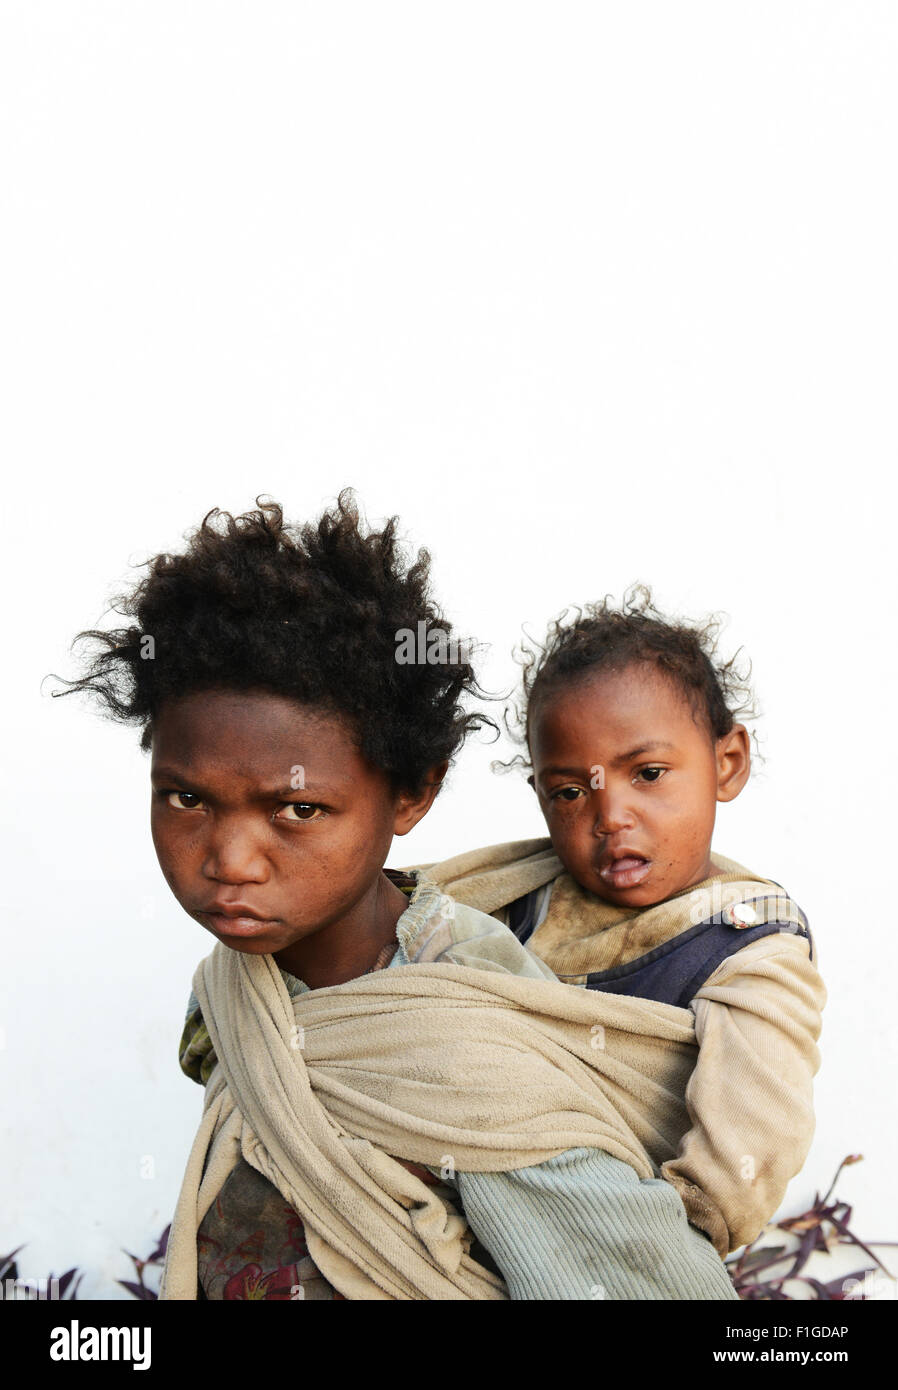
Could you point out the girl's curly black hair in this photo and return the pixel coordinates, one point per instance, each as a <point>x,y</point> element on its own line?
<point>602,636</point>
<point>312,612</point>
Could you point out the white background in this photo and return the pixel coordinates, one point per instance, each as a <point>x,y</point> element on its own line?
<point>586,293</point>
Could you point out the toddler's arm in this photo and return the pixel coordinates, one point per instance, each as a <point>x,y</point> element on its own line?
<point>583,1225</point>
<point>757,1021</point>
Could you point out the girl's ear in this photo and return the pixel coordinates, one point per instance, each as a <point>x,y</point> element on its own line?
<point>733,762</point>
<point>413,806</point>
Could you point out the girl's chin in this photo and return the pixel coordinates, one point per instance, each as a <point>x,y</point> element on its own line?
<point>261,940</point>
<point>248,946</point>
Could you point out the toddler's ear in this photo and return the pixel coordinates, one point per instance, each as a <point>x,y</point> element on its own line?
<point>733,762</point>
<point>531,781</point>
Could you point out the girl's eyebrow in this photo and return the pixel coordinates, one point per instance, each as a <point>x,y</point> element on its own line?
<point>167,774</point>
<point>283,790</point>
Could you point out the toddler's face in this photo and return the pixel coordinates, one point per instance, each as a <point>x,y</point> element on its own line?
<point>628,780</point>
<point>268,822</point>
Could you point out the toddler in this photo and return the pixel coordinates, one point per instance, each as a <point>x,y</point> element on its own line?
<point>630,725</point>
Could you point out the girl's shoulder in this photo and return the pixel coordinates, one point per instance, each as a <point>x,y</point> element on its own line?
<point>437,928</point>
<point>491,877</point>
<point>196,1055</point>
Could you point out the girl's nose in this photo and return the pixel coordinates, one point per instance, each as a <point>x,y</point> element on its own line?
<point>233,856</point>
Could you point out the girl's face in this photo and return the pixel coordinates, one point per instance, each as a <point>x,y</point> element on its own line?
<point>270,826</point>
<point>628,782</point>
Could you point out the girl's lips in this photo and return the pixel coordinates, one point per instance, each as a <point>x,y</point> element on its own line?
<point>238,926</point>
<point>625,873</point>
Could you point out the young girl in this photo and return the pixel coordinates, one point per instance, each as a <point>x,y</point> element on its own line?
<point>633,741</point>
<point>387,1076</point>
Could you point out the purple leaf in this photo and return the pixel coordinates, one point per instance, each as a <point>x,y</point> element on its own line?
<point>10,1260</point>
<point>822,1290</point>
<point>840,1226</point>
<point>138,1290</point>
<point>161,1248</point>
<point>767,1254</point>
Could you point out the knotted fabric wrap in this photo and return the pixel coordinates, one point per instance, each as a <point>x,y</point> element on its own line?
<point>432,1063</point>
<point>757,1019</point>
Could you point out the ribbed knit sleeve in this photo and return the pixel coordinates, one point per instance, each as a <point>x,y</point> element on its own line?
<point>583,1225</point>
<point>757,1021</point>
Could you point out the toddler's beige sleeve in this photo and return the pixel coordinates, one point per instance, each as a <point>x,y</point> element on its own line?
<point>757,1021</point>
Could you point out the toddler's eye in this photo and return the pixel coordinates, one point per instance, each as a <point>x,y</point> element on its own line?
<point>651,774</point>
<point>302,810</point>
<point>183,801</point>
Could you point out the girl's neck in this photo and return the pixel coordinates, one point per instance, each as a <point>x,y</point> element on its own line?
<point>349,947</point>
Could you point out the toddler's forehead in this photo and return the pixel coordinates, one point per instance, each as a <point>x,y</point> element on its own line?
<point>638,700</point>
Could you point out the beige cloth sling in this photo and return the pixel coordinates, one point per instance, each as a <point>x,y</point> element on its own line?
<point>432,1063</point>
<point>757,1019</point>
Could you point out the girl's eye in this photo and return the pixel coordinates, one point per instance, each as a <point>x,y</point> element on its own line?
<point>567,793</point>
<point>183,801</point>
<point>302,810</point>
<point>651,774</point>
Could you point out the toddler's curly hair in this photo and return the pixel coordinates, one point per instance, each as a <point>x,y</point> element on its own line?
<point>607,637</point>
<point>311,612</point>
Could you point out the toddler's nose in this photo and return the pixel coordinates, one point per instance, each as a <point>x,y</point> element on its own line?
<point>612,813</point>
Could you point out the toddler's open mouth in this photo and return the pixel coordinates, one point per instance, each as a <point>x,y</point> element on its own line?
<point>624,870</point>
